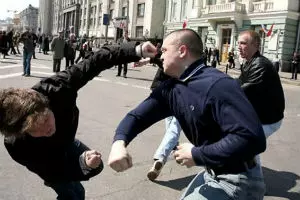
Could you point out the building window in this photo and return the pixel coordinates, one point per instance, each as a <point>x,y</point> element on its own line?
<point>141,10</point>
<point>124,11</point>
<point>111,14</point>
<point>139,32</point>
<point>184,9</point>
<point>100,8</point>
<point>173,10</point>
<point>90,22</point>
<point>99,20</point>
<point>211,2</point>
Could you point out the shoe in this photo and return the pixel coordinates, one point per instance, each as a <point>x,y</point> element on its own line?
<point>155,170</point>
<point>27,75</point>
<point>23,74</point>
<point>117,75</point>
<point>125,76</point>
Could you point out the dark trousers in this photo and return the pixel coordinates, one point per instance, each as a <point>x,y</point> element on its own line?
<point>72,189</point>
<point>294,70</point>
<point>69,62</point>
<point>12,49</point>
<point>56,65</point>
<point>33,55</point>
<point>231,64</point>
<point>120,69</point>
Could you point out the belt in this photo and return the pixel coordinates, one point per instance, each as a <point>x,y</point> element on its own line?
<point>235,168</point>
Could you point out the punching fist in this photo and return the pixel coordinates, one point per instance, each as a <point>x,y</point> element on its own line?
<point>93,159</point>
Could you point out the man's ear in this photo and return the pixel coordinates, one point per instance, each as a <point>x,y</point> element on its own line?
<point>183,51</point>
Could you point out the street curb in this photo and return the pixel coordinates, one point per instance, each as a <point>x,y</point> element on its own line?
<point>282,79</point>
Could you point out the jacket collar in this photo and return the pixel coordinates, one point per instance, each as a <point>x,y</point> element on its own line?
<point>257,54</point>
<point>192,69</point>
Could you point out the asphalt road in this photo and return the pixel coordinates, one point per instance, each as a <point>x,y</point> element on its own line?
<point>103,102</point>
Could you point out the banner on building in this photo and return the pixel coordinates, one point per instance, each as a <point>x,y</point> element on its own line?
<point>267,32</point>
<point>120,22</point>
<point>273,41</point>
<point>184,24</point>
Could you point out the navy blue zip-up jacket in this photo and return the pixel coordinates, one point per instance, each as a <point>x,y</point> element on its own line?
<point>213,112</point>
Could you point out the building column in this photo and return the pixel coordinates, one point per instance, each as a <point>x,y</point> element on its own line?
<point>87,17</point>
<point>76,20</point>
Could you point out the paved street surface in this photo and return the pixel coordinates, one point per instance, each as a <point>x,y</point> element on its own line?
<point>103,102</point>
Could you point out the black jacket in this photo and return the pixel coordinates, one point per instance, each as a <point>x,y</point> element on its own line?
<point>160,76</point>
<point>45,155</point>
<point>262,85</point>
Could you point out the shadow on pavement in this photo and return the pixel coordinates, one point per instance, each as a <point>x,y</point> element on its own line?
<point>177,184</point>
<point>142,79</point>
<point>282,184</point>
<point>34,76</point>
<point>50,59</point>
<point>9,62</point>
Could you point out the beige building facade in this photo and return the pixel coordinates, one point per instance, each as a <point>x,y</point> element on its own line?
<point>219,23</point>
<point>29,18</point>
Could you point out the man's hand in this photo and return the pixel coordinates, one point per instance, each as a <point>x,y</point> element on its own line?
<point>148,50</point>
<point>183,155</point>
<point>142,62</point>
<point>119,159</point>
<point>93,159</point>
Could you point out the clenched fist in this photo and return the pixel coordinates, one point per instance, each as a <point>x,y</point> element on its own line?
<point>119,159</point>
<point>148,50</point>
<point>93,159</point>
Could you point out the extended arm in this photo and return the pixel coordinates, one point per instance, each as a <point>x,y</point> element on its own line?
<point>147,113</point>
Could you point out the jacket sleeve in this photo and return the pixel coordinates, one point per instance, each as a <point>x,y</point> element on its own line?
<point>68,82</point>
<point>242,134</point>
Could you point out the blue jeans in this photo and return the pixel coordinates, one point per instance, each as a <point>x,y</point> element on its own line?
<point>244,186</point>
<point>269,129</point>
<point>68,190</point>
<point>26,62</point>
<point>169,140</point>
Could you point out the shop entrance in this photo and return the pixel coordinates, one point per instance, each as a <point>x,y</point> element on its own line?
<point>226,41</point>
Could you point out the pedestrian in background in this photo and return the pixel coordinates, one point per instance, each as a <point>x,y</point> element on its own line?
<point>16,41</point>
<point>81,47</point>
<point>295,65</point>
<point>45,44</point>
<point>10,36</point>
<point>70,50</point>
<point>124,39</point>
<point>4,46</point>
<point>28,48</point>
<point>57,46</point>
<point>231,63</point>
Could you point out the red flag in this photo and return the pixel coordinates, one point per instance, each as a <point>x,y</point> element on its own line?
<point>184,24</point>
<point>270,31</point>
